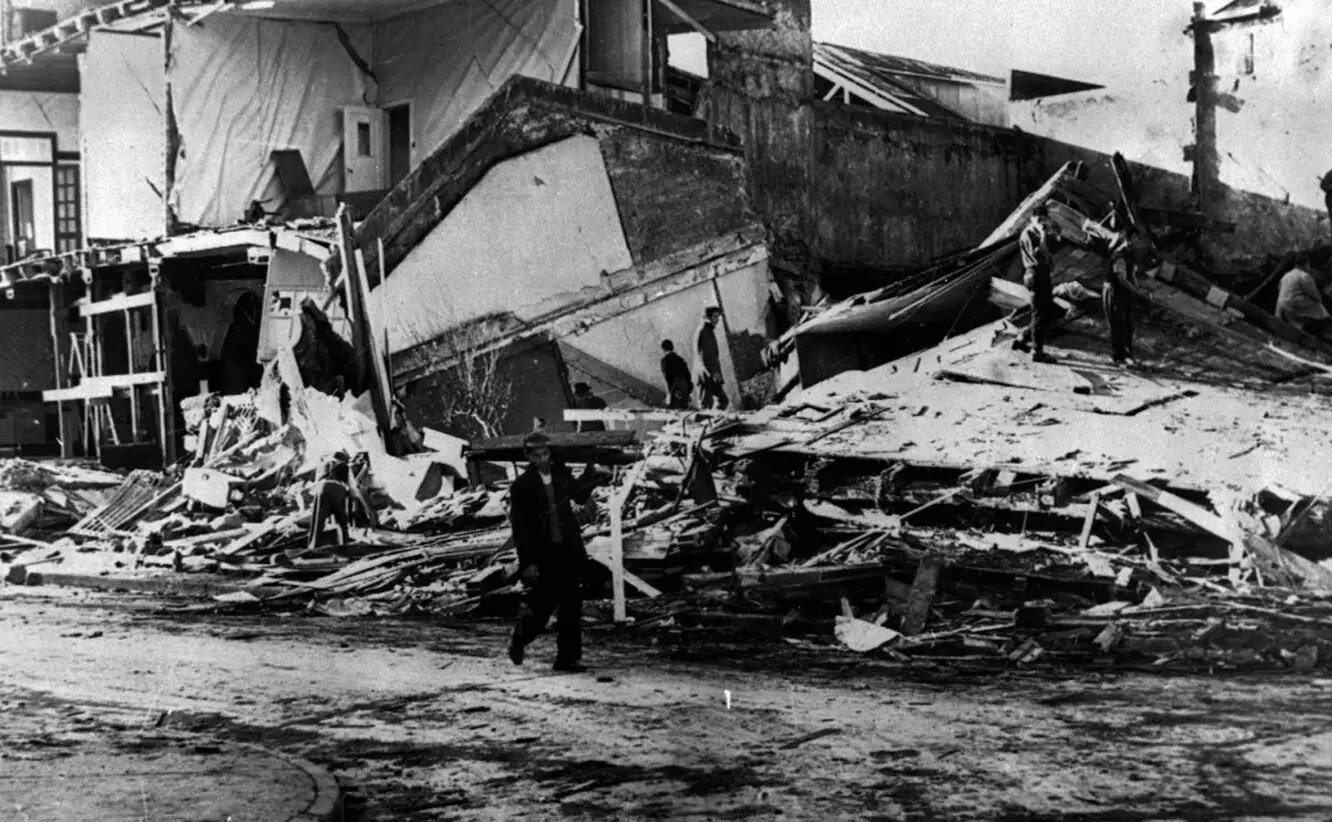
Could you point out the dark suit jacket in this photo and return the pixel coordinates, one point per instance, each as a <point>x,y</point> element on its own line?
<point>529,513</point>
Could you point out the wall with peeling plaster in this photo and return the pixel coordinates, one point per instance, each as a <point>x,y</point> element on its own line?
<point>1272,120</point>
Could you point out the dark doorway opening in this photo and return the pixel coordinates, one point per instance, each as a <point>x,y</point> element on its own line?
<point>25,230</point>
<point>400,142</point>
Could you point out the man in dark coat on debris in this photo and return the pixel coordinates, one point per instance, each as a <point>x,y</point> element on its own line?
<point>1117,294</point>
<point>707,355</point>
<point>675,371</point>
<point>1035,243</point>
<point>551,554</point>
<point>1326,185</point>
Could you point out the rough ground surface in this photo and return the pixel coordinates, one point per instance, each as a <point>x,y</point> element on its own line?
<point>423,720</point>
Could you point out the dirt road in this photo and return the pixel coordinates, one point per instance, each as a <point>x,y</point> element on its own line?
<point>423,720</point>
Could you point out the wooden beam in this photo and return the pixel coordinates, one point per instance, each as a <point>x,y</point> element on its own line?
<point>922,593</point>
<point>618,499</point>
<point>1195,514</point>
<point>1185,278</point>
<point>165,406</point>
<point>102,387</point>
<point>370,368</point>
<point>697,26</point>
<point>117,302</point>
<point>638,415</point>
<point>134,393</point>
<point>55,300</point>
<point>1015,221</point>
<point>1084,539</point>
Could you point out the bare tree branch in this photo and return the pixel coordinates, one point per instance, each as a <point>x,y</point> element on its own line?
<point>473,396</point>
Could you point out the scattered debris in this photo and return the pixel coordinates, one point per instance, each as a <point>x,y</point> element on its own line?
<point>972,506</point>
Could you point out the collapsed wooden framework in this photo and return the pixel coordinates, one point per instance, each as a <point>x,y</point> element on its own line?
<point>116,294</point>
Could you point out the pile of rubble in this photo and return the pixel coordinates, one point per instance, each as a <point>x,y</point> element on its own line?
<point>959,505</point>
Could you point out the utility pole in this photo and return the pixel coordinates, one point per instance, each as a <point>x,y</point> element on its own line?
<point>1204,154</point>
<point>1206,158</point>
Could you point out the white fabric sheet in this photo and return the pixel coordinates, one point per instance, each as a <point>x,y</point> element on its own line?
<point>448,60</point>
<point>244,87</point>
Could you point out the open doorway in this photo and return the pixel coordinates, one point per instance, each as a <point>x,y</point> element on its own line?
<point>399,142</point>
<point>25,229</point>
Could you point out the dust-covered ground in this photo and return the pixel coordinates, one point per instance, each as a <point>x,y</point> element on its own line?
<point>425,720</point>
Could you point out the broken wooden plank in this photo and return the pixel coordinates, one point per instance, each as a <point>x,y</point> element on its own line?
<point>1109,637</point>
<point>1084,539</point>
<point>942,498</point>
<point>204,539</point>
<point>1192,512</point>
<point>922,593</point>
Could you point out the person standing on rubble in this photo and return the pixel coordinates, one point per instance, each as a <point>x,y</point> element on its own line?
<point>332,498</point>
<point>585,400</point>
<point>707,359</point>
<point>551,554</point>
<point>1300,301</point>
<point>1117,293</point>
<point>1326,185</point>
<point>1035,243</point>
<point>675,371</point>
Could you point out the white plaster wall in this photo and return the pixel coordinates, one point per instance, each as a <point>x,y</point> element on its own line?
<point>535,226</point>
<point>1275,145</point>
<point>446,61</point>
<point>120,110</point>
<point>44,112</point>
<point>244,87</point>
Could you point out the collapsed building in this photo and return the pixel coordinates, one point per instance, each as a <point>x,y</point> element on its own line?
<point>352,100</point>
<point>550,217</point>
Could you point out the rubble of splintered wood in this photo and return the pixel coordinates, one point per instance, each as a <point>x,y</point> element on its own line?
<point>913,561</point>
<point>926,515</point>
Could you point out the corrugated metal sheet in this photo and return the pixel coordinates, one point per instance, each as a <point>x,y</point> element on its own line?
<point>898,79</point>
<point>889,64</point>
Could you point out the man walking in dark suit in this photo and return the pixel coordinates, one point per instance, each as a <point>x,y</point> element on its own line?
<point>551,554</point>
<point>675,371</point>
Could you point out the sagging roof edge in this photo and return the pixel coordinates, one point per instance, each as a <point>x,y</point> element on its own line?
<point>69,263</point>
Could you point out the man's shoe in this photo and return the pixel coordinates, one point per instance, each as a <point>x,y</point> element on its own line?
<point>570,667</point>
<point>1041,356</point>
<point>1019,345</point>
<point>515,652</point>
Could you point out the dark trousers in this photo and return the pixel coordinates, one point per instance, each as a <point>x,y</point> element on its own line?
<point>1042,305</point>
<point>710,392</point>
<point>679,396</point>
<point>1118,305</point>
<point>558,590</point>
